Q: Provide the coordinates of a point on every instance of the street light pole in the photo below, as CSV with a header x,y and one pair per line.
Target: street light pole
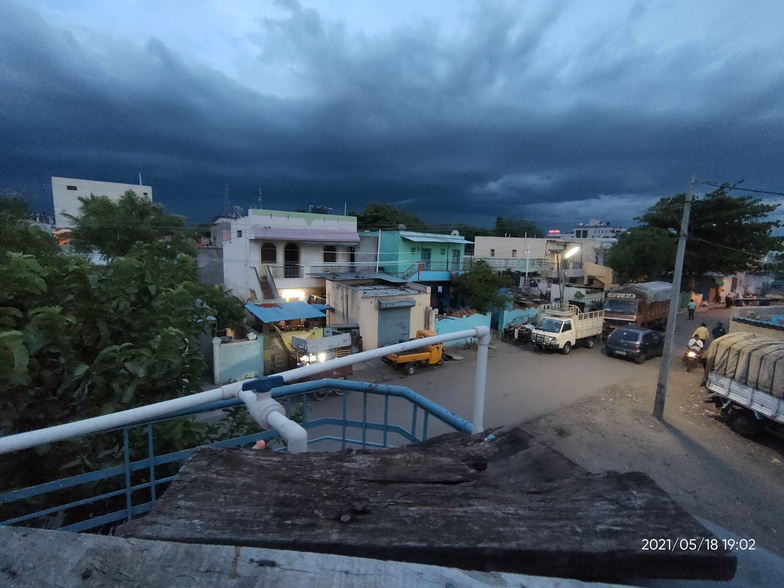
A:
x,y
559,260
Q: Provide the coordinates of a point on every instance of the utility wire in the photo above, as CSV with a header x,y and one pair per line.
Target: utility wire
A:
x,y
728,187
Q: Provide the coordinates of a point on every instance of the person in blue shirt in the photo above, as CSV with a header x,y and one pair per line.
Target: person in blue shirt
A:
x,y
691,307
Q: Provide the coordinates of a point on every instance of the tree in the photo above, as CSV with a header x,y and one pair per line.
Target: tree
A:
x,y
727,234
79,340
643,254
516,228
113,228
380,215
18,233
480,287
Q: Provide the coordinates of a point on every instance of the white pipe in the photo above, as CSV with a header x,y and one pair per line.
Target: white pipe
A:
x,y
143,414
270,414
317,368
115,420
295,434
481,378
378,249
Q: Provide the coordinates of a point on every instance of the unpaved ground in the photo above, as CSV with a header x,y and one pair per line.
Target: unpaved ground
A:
x,y
711,471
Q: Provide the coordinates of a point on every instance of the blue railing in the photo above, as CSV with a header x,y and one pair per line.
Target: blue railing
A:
x,y
135,484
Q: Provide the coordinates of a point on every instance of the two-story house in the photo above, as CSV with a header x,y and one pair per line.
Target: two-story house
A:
x,y
426,258
273,254
542,260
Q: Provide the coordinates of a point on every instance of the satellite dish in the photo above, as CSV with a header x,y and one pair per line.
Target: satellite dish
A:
x,y
238,210
455,233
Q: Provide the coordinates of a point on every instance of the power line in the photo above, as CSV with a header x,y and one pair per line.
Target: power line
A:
x,y
728,187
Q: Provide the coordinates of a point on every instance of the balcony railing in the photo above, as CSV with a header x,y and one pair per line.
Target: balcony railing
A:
x,y
533,264
367,415
131,487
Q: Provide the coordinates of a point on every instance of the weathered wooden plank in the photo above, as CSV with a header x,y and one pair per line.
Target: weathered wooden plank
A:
x,y
511,505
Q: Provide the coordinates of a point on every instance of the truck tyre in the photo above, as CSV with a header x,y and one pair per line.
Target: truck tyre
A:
x,y
744,423
410,368
590,342
566,348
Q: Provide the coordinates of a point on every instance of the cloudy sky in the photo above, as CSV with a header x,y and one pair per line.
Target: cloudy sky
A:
x,y
457,110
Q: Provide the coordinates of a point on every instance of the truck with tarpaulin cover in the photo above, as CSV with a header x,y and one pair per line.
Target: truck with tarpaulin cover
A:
x,y
745,380
645,305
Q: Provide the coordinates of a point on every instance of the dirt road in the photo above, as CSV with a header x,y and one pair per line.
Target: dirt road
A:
x,y
711,471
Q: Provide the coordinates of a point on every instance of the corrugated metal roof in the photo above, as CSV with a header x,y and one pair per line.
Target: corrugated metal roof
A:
x,y
272,312
432,238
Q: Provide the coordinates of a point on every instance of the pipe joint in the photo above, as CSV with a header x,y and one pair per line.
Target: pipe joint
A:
x,y
261,406
264,384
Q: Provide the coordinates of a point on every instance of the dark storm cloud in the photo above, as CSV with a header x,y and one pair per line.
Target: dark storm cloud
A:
x,y
457,125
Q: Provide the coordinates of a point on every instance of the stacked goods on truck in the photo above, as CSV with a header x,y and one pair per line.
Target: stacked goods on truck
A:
x,y
645,305
746,381
562,327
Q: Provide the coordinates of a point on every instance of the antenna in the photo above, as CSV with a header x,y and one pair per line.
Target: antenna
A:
x,y
226,203
140,178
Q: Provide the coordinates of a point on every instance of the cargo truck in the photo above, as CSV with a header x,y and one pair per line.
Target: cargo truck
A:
x,y
644,305
745,380
563,327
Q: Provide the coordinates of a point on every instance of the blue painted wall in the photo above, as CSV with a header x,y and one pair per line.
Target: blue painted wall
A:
x,y
447,325
238,360
507,316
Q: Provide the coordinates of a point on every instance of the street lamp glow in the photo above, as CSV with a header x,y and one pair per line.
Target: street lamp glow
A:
x,y
572,251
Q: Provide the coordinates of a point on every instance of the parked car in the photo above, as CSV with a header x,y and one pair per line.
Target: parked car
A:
x,y
634,343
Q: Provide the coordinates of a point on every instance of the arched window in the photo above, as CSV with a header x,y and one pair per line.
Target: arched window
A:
x,y
330,254
269,254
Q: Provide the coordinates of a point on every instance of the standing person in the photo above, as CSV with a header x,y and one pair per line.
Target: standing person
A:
x,y
728,299
718,330
701,332
691,307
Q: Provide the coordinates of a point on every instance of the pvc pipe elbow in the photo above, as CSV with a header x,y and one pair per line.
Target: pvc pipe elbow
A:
x,y
261,406
296,435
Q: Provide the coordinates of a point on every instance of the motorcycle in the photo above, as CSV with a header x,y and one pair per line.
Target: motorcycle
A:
x,y
692,356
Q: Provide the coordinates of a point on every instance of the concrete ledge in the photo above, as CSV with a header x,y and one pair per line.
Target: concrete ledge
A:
x,y
41,558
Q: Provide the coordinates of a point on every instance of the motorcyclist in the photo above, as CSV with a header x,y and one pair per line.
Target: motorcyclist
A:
x,y
695,347
696,343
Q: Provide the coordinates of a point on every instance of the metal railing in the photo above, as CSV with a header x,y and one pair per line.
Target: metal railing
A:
x,y
131,488
132,482
514,263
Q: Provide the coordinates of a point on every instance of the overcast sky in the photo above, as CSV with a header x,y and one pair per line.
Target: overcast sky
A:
x,y
459,111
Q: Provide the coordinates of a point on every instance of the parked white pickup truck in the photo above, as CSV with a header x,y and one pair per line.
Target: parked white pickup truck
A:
x,y
563,327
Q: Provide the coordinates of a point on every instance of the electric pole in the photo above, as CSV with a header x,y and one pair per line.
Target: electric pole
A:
x,y
669,336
